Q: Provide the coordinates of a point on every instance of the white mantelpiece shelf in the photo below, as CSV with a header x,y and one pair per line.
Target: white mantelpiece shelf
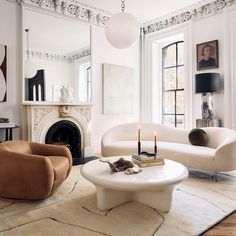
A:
x,y
29,103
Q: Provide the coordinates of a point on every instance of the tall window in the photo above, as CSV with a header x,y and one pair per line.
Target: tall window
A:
x,y
173,84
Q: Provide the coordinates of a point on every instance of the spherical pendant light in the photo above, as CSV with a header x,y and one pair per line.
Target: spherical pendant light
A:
x,y
122,29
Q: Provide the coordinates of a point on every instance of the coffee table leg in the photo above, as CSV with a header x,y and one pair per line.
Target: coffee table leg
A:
x,y
108,198
160,200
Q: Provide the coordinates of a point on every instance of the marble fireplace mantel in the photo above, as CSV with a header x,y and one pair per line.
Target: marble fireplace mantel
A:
x,y
38,117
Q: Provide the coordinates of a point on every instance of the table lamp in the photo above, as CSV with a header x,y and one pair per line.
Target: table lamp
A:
x,y
207,84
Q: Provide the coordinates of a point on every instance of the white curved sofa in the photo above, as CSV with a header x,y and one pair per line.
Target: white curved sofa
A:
x,y
219,154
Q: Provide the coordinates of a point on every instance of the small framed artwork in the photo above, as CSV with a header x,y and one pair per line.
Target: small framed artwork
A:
x,y
207,55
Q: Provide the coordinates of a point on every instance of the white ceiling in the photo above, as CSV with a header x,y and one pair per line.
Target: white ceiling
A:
x,y
143,10
55,34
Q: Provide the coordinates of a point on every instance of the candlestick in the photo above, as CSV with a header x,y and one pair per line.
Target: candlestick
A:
x,y
155,142
139,148
139,138
139,133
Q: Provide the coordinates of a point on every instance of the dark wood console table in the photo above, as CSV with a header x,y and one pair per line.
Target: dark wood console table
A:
x,y
8,131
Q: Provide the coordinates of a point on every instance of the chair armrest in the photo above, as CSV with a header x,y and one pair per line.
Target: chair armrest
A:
x,y
25,176
52,150
225,156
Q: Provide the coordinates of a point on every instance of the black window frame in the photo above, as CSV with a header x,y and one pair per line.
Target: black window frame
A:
x,y
176,66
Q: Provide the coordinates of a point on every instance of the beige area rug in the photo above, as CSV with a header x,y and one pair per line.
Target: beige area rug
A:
x,y
198,204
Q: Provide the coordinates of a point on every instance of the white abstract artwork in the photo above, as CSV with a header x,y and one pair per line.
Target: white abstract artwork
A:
x,y
3,71
118,89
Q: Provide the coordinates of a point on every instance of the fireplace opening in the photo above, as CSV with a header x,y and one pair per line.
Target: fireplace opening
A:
x,y
66,133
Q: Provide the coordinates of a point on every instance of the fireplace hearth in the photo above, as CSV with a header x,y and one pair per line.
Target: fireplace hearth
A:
x,y
66,133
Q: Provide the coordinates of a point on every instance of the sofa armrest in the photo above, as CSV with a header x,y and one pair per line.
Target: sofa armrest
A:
x,y
225,156
25,176
52,150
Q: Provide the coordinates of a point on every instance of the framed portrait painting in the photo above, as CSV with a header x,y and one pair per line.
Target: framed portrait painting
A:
x,y
207,55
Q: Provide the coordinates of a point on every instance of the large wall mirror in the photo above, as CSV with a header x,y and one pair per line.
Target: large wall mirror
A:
x,y
59,51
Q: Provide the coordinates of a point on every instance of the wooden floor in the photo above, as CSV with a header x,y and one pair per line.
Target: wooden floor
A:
x,y
226,227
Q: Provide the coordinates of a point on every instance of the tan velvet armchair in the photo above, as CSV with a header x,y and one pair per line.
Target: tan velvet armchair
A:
x,y
32,171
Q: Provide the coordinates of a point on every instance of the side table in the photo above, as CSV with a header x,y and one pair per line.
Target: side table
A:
x,y
8,132
208,123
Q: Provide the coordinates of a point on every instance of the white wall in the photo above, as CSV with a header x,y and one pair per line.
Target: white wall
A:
x,y
10,36
204,30
200,31
102,52
230,68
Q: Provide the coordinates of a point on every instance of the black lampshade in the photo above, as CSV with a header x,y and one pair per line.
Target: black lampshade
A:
x,y
207,82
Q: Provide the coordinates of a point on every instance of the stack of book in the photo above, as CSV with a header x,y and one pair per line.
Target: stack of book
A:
x,y
145,161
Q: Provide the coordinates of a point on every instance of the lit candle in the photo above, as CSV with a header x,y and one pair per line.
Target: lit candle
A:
x,y
139,129
155,142
139,143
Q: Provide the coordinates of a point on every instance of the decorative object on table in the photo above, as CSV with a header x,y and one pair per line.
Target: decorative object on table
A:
x,y
139,145
207,84
148,155
67,94
120,165
4,120
134,170
197,137
36,88
144,160
122,29
30,68
207,55
3,73
118,86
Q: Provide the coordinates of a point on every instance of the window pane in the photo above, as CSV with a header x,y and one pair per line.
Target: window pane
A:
x,y
180,77
180,102
169,120
169,102
169,55
180,53
169,78
180,121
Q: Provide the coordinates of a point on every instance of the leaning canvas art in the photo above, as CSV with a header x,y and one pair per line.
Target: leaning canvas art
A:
x,y
118,89
3,73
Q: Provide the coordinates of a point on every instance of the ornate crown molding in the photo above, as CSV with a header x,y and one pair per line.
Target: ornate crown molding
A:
x,y
71,8
37,54
197,11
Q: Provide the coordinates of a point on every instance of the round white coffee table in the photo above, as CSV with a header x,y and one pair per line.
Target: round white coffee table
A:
x,y
153,186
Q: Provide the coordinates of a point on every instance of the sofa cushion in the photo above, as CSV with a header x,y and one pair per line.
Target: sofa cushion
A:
x,y
197,137
60,166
